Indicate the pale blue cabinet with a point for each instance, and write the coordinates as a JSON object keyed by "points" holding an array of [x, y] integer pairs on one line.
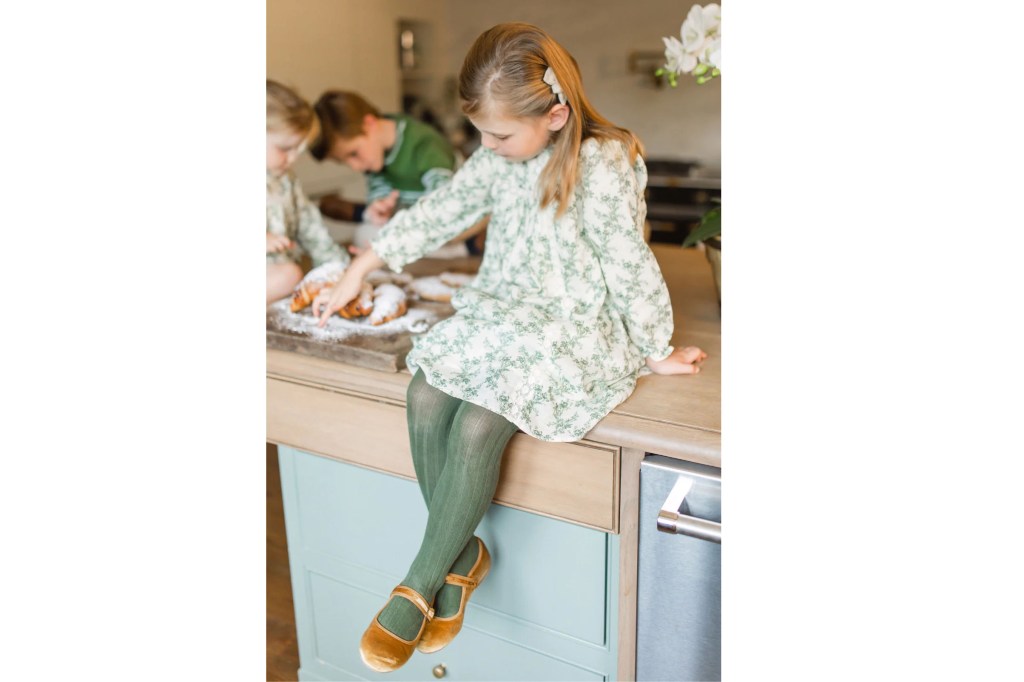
{"points": [[547, 611]]}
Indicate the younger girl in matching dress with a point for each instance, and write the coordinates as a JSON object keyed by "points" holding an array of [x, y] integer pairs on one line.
{"points": [[568, 307], [293, 224]]}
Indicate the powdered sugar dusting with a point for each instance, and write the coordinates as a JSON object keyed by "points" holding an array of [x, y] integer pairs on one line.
{"points": [[431, 288], [387, 300], [456, 279], [378, 277], [327, 272], [279, 315]]}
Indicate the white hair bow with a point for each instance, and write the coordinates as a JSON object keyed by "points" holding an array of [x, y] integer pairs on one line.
{"points": [[549, 78]]}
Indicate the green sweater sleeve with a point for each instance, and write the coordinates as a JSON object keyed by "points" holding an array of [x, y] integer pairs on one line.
{"points": [[437, 159]]}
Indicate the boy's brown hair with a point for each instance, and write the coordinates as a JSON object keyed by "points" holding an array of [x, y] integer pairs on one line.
{"points": [[341, 116]]}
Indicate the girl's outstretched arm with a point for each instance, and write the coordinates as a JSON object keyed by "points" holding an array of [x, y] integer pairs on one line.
{"points": [[331, 300], [441, 215], [680, 361]]}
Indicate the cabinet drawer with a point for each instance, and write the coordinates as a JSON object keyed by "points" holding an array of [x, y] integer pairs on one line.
{"points": [[474, 655], [364, 528], [576, 482]]}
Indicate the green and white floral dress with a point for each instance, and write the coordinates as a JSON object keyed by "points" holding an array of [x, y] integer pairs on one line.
{"points": [[290, 213], [555, 328]]}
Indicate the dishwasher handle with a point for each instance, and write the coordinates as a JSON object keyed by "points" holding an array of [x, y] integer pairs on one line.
{"points": [[671, 520]]}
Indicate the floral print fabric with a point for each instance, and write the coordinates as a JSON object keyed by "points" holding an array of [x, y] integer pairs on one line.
{"points": [[290, 213], [555, 328]]}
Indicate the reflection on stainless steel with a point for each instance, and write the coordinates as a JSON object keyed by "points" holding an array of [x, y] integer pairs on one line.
{"points": [[672, 520], [679, 571]]}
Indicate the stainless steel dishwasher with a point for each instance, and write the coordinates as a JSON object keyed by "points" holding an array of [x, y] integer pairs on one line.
{"points": [[679, 581]]}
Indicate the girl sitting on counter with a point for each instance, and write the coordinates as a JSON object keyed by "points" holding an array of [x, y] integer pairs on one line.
{"points": [[293, 224], [568, 308]]}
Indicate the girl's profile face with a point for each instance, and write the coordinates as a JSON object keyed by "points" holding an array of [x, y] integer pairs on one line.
{"points": [[283, 147], [515, 139]]}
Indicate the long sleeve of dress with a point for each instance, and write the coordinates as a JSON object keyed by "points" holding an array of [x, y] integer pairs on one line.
{"points": [[312, 234], [439, 216], [614, 210]]}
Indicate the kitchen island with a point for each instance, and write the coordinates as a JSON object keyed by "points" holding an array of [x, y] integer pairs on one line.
{"points": [[354, 515]]}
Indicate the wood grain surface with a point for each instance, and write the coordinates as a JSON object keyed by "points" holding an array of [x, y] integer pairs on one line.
{"points": [[282, 645]]}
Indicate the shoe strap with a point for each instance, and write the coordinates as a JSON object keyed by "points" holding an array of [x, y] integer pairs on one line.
{"points": [[416, 598], [461, 581]]}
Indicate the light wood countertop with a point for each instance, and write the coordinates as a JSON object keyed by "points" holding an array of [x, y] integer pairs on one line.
{"points": [[676, 416]]}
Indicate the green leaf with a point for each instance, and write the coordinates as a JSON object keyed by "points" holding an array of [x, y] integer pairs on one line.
{"points": [[710, 226]]}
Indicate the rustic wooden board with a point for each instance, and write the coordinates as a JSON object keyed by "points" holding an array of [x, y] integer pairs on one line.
{"points": [[374, 350], [386, 354]]}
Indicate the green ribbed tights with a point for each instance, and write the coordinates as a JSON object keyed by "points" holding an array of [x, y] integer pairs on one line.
{"points": [[456, 451]]}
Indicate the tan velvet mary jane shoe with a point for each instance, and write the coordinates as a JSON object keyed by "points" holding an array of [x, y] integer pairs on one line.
{"points": [[383, 651], [439, 632]]}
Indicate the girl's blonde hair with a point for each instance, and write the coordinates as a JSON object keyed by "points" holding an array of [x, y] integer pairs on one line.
{"points": [[341, 116], [505, 67], [287, 111]]}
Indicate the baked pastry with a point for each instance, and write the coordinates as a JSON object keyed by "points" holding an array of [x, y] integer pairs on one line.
{"points": [[325, 275], [456, 280], [361, 305], [382, 276], [388, 303], [305, 292], [432, 289]]}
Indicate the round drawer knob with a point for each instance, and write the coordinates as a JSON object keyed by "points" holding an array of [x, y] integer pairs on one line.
{"points": [[439, 670]]}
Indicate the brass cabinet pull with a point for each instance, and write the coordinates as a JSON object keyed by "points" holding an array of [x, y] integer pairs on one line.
{"points": [[439, 670]]}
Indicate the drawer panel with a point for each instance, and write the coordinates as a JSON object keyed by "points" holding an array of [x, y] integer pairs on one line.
{"points": [[576, 482], [341, 612], [365, 528]]}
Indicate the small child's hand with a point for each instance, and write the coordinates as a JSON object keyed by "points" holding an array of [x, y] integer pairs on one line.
{"points": [[278, 242], [332, 299], [681, 361], [380, 210]]}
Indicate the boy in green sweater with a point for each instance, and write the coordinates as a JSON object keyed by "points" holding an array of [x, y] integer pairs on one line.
{"points": [[402, 158]]}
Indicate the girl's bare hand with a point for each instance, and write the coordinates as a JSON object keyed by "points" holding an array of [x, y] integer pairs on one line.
{"points": [[278, 242], [331, 300], [681, 361]]}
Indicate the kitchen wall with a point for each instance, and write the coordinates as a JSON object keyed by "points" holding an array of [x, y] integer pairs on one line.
{"points": [[315, 45], [352, 44], [684, 123]]}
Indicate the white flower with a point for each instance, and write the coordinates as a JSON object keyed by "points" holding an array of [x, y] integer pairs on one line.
{"points": [[714, 53], [677, 58], [712, 20], [701, 34], [692, 30]]}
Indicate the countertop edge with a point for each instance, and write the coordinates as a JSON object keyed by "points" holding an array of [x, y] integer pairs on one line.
{"points": [[679, 441]]}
